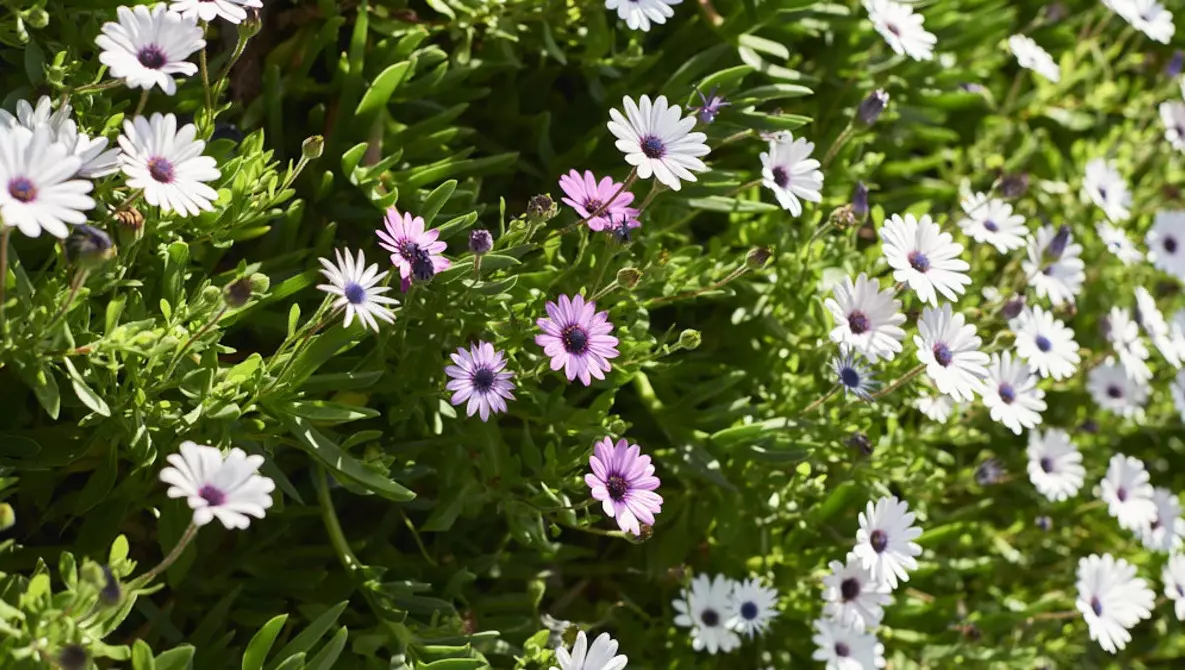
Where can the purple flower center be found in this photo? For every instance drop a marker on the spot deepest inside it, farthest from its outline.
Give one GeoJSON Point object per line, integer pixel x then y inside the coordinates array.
{"type": "Point", "coordinates": [892, 27]}
{"type": "Point", "coordinates": [879, 541]}
{"type": "Point", "coordinates": [749, 610]}
{"type": "Point", "coordinates": [617, 487]}
{"type": "Point", "coordinates": [1170, 244]}
{"type": "Point", "coordinates": [781, 177]}
{"type": "Point", "coordinates": [710, 617]}
{"type": "Point", "coordinates": [1156, 523]}
{"type": "Point", "coordinates": [858, 323]}
{"type": "Point", "coordinates": [1043, 343]}
{"type": "Point", "coordinates": [991, 226]}
{"type": "Point", "coordinates": [591, 205]}
{"type": "Point", "coordinates": [849, 378]}
{"type": "Point", "coordinates": [22, 189]}
{"type": "Point", "coordinates": [1096, 606]}
{"type": "Point", "coordinates": [482, 379]}
{"type": "Point", "coordinates": [849, 588]}
{"type": "Point", "coordinates": [1047, 270]}
{"type": "Point", "coordinates": [1046, 464]}
{"type": "Point", "coordinates": [1007, 393]}
{"type": "Point", "coordinates": [842, 650]}
{"type": "Point", "coordinates": [1121, 493]}
{"type": "Point", "coordinates": [653, 147]}
{"type": "Point", "coordinates": [355, 294]}
{"type": "Point", "coordinates": [1114, 392]}
{"type": "Point", "coordinates": [422, 267]}
{"type": "Point", "coordinates": [151, 57]}
{"type": "Point", "coordinates": [213, 496]}
{"type": "Point", "coordinates": [161, 169]}
{"type": "Point", "coordinates": [918, 261]}
{"type": "Point", "coordinates": [575, 339]}
{"type": "Point", "coordinates": [942, 354]}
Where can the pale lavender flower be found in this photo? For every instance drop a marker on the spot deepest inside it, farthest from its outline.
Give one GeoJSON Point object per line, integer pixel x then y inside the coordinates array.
{"type": "Point", "coordinates": [480, 380]}
{"type": "Point", "coordinates": [623, 480]}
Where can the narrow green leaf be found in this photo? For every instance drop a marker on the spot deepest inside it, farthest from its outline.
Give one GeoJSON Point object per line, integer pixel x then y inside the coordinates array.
{"type": "Point", "coordinates": [325, 658]}
{"type": "Point", "coordinates": [328, 453]}
{"type": "Point", "coordinates": [261, 643]}
{"type": "Point", "coordinates": [379, 93]}
{"type": "Point", "coordinates": [177, 658]}
{"type": "Point", "coordinates": [142, 656]}
{"type": "Point", "coordinates": [325, 411]}
{"type": "Point", "coordinates": [436, 200]}
{"type": "Point", "coordinates": [313, 632]}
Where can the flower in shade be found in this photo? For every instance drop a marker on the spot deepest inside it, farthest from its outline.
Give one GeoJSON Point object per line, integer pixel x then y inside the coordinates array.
{"type": "Point", "coordinates": [640, 14]}
{"type": "Point", "coordinates": [924, 257]}
{"type": "Point", "coordinates": [710, 105]}
{"type": "Point", "coordinates": [480, 380]}
{"type": "Point", "coordinates": [357, 289]}
{"type": "Point", "coordinates": [949, 348]}
{"type": "Point", "coordinates": [96, 162]}
{"type": "Point", "coordinates": [1173, 115]}
{"type": "Point", "coordinates": [1106, 188]}
{"type": "Point", "coordinates": [788, 169]}
{"type": "Point", "coordinates": [1174, 583]}
{"type": "Point", "coordinates": [623, 480]}
{"type": "Point", "coordinates": [1124, 334]}
{"type": "Point", "coordinates": [902, 29]}
{"type": "Point", "coordinates": [843, 648]}
{"type": "Point", "coordinates": [1046, 343]}
{"type": "Point", "coordinates": [658, 141]}
{"type": "Point", "coordinates": [38, 190]}
{"type": "Point", "coordinates": [937, 407]}
{"type": "Point", "coordinates": [852, 596]}
{"type": "Point", "coordinates": [1128, 493]}
{"type": "Point", "coordinates": [755, 606]}
{"type": "Point", "coordinates": [885, 542]}
{"type": "Point", "coordinates": [1031, 56]}
{"type": "Point", "coordinates": [1119, 244]}
{"type": "Point", "coordinates": [867, 319]}
{"type": "Point", "coordinates": [1165, 531]}
{"type": "Point", "coordinates": [1112, 599]}
{"type": "Point", "coordinates": [707, 608]}
{"type": "Point", "coordinates": [208, 10]}
{"type": "Point", "coordinates": [1058, 279]}
{"type": "Point", "coordinates": [576, 338]}
{"type": "Point", "coordinates": [992, 221]}
{"type": "Point", "coordinates": [414, 250]}
{"type": "Point", "coordinates": [150, 45]}
{"type": "Point", "coordinates": [1055, 464]}
{"type": "Point", "coordinates": [853, 376]}
{"type": "Point", "coordinates": [1164, 336]}
{"type": "Point", "coordinates": [167, 163]}
{"type": "Point", "coordinates": [586, 195]}
{"type": "Point", "coordinates": [227, 489]}
{"type": "Point", "coordinates": [1011, 394]}
{"type": "Point", "coordinates": [1113, 389]}
{"type": "Point", "coordinates": [602, 656]}
{"type": "Point", "coordinates": [1166, 243]}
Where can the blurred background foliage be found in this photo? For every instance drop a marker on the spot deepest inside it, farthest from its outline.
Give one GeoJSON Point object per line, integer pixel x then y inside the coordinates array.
{"type": "Point", "coordinates": [460, 111]}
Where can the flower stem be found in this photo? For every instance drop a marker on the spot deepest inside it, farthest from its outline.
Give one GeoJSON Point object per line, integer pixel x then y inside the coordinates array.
{"type": "Point", "coordinates": [710, 13]}
{"type": "Point", "coordinates": [843, 138]}
{"type": "Point", "coordinates": [599, 294]}
{"type": "Point", "coordinates": [75, 285]}
{"type": "Point", "coordinates": [629, 181]}
{"type": "Point", "coordinates": [332, 525]}
{"type": "Point", "coordinates": [745, 187]}
{"type": "Point", "coordinates": [204, 66]}
{"type": "Point", "coordinates": [185, 347]}
{"type": "Point", "coordinates": [822, 399]}
{"type": "Point", "coordinates": [656, 188]}
{"type": "Point", "coordinates": [240, 47]}
{"type": "Point", "coordinates": [700, 291]}
{"type": "Point", "coordinates": [147, 577]}
{"type": "Point", "coordinates": [143, 101]}
{"type": "Point", "coordinates": [4, 234]}
{"type": "Point", "coordinates": [900, 382]}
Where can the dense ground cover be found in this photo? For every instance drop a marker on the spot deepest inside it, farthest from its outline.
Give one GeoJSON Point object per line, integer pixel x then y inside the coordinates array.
{"type": "Point", "coordinates": [883, 368]}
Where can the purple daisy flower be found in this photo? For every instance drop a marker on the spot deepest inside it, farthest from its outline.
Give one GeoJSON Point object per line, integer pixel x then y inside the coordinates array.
{"type": "Point", "coordinates": [586, 195]}
{"type": "Point", "coordinates": [623, 480]}
{"type": "Point", "coordinates": [576, 337]}
{"type": "Point", "coordinates": [479, 380]}
{"type": "Point", "coordinates": [415, 251]}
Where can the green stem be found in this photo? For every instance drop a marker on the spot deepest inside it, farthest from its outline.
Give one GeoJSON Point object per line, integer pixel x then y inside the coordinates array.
{"type": "Point", "coordinates": [818, 403]}
{"type": "Point", "coordinates": [204, 67]}
{"type": "Point", "coordinates": [143, 101]}
{"type": "Point", "coordinates": [900, 382]}
{"type": "Point", "coordinates": [843, 138]}
{"type": "Point", "coordinates": [147, 577]}
{"type": "Point", "coordinates": [75, 285]}
{"type": "Point", "coordinates": [189, 342]}
{"type": "Point", "coordinates": [332, 525]}
{"type": "Point", "coordinates": [5, 232]}
{"type": "Point", "coordinates": [691, 294]}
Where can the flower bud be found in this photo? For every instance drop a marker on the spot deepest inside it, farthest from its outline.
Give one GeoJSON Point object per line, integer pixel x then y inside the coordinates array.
{"type": "Point", "coordinates": [1044, 523]}
{"type": "Point", "coordinates": [237, 293]}
{"type": "Point", "coordinates": [252, 25]}
{"type": "Point", "coordinates": [712, 103]}
{"type": "Point", "coordinates": [1055, 12]}
{"type": "Point", "coordinates": [111, 593]}
{"type": "Point", "coordinates": [1174, 66]}
{"type": "Point", "coordinates": [690, 339]}
{"type": "Point", "coordinates": [1089, 426]}
{"type": "Point", "coordinates": [870, 110]}
{"type": "Point", "coordinates": [312, 148]}
{"type": "Point", "coordinates": [480, 241]}
{"type": "Point", "coordinates": [989, 472]}
{"type": "Point", "coordinates": [88, 247]}
{"type": "Point", "coordinates": [617, 427]}
{"type": "Point", "coordinates": [860, 201]}
{"type": "Point", "coordinates": [542, 208]}
{"type": "Point", "coordinates": [646, 531]}
{"type": "Point", "coordinates": [37, 18]}
{"type": "Point", "coordinates": [758, 257]}
{"type": "Point", "coordinates": [7, 517]}
{"type": "Point", "coordinates": [1014, 185]}
{"type": "Point", "coordinates": [860, 442]}
{"type": "Point", "coordinates": [1057, 246]}
{"type": "Point", "coordinates": [72, 657]}
{"type": "Point", "coordinates": [1013, 308]}
{"type": "Point", "coordinates": [842, 217]}
{"type": "Point", "coordinates": [628, 277]}
{"type": "Point", "coordinates": [130, 224]}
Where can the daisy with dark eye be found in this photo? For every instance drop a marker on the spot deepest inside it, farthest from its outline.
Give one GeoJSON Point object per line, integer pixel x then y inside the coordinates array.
{"type": "Point", "coordinates": [902, 29]}
{"type": "Point", "coordinates": [1106, 188]}
{"type": "Point", "coordinates": [1166, 530]}
{"type": "Point", "coordinates": [1031, 56]}
{"type": "Point", "coordinates": [885, 542]}
{"type": "Point", "coordinates": [622, 478]}
{"type": "Point", "coordinates": [38, 190]}
{"type": "Point", "coordinates": [852, 596]}
{"type": "Point", "coordinates": [602, 655]}
{"type": "Point", "coordinates": [231, 11]}
{"type": "Point", "coordinates": [1113, 389]}
{"type": "Point", "coordinates": [148, 46]}
{"type": "Point", "coordinates": [583, 193]}
{"type": "Point", "coordinates": [478, 378]}
{"type": "Point", "coordinates": [640, 14]}
{"type": "Point", "coordinates": [417, 252]}
{"type": "Point", "coordinates": [1055, 464]}
{"type": "Point", "coordinates": [924, 257]}
{"type": "Point", "coordinates": [841, 647]}
{"type": "Point", "coordinates": [755, 605]}
{"type": "Point", "coordinates": [1127, 490]}
{"type": "Point", "coordinates": [853, 376]}
{"type": "Point", "coordinates": [97, 160]}
{"type": "Point", "coordinates": [1011, 395]}
{"type": "Point", "coordinates": [789, 171]}
{"type": "Point", "coordinates": [949, 348]}
{"type": "Point", "coordinates": [168, 165]}
{"type": "Point", "coordinates": [577, 338]}
{"type": "Point", "coordinates": [1045, 343]}
{"type": "Point", "coordinates": [1118, 243]}
{"type": "Point", "coordinates": [1173, 576]}
{"type": "Point", "coordinates": [866, 318]}
{"type": "Point", "coordinates": [1173, 115]}
{"type": "Point", "coordinates": [991, 221]}
{"type": "Point", "coordinates": [1166, 243]}
{"type": "Point", "coordinates": [1124, 335]}
{"type": "Point", "coordinates": [358, 290]}
{"type": "Point", "coordinates": [227, 489]}
{"type": "Point", "coordinates": [707, 608]}
{"type": "Point", "coordinates": [1112, 599]}
{"type": "Point", "coordinates": [1056, 276]}
{"type": "Point", "coordinates": [658, 140]}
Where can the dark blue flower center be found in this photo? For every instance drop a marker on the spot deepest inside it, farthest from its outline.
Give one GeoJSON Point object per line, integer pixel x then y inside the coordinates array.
{"type": "Point", "coordinates": [1096, 606]}
{"type": "Point", "coordinates": [849, 378]}
{"type": "Point", "coordinates": [422, 267]}
{"type": "Point", "coordinates": [213, 496]}
{"type": "Point", "coordinates": [1043, 343]}
{"type": "Point", "coordinates": [781, 177]}
{"type": "Point", "coordinates": [653, 147]}
{"type": "Point", "coordinates": [749, 610]}
{"type": "Point", "coordinates": [151, 57]}
{"type": "Point", "coordinates": [1046, 464]}
{"type": "Point", "coordinates": [842, 650]}
{"type": "Point", "coordinates": [710, 618]}
{"type": "Point", "coordinates": [942, 354]}
{"type": "Point", "coordinates": [1170, 245]}
{"type": "Point", "coordinates": [161, 170]}
{"type": "Point", "coordinates": [849, 588]}
{"type": "Point", "coordinates": [1114, 392]}
{"type": "Point", "coordinates": [617, 487]}
{"type": "Point", "coordinates": [858, 323]}
{"type": "Point", "coordinates": [1007, 393]}
{"type": "Point", "coordinates": [22, 190]}
{"type": "Point", "coordinates": [483, 379]}
{"type": "Point", "coordinates": [918, 261]}
{"type": "Point", "coordinates": [991, 226]}
{"type": "Point", "coordinates": [879, 541]}
{"type": "Point", "coordinates": [575, 339]}
{"type": "Point", "coordinates": [355, 294]}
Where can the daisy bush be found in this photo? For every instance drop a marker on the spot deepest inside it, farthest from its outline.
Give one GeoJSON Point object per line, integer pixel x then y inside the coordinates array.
{"type": "Point", "coordinates": [591, 334]}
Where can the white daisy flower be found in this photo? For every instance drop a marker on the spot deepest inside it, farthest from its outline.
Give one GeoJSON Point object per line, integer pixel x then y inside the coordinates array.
{"type": "Point", "coordinates": [1031, 56]}
{"type": "Point", "coordinates": [1128, 493]}
{"type": "Point", "coordinates": [1174, 583]}
{"type": "Point", "coordinates": [1060, 279]}
{"type": "Point", "coordinates": [39, 190]}
{"type": "Point", "coordinates": [852, 596]}
{"type": "Point", "coordinates": [216, 488]}
{"type": "Point", "coordinates": [1114, 390]}
{"type": "Point", "coordinates": [788, 169]}
{"type": "Point", "coordinates": [1118, 243]}
{"type": "Point", "coordinates": [1055, 464]}
{"type": "Point", "coordinates": [357, 289]}
{"type": "Point", "coordinates": [148, 46]}
{"type": "Point", "coordinates": [1150, 18]}
{"type": "Point", "coordinates": [755, 605]}
{"type": "Point", "coordinates": [924, 257]}
{"type": "Point", "coordinates": [1124, 334]}
{"type": "Point", "coordinates": [885, 542]}
{"type": "Point", "coordinates": [706, 608]}
{"type": "Point", "coordinates": [902, 29]}
{"type": "Point", "coordinates": [63, 130]}
{"type": "Point", "coordinates": [991, 221]}
{"type": "Point", "coordinates": [639, 14]}
{"type": "Point", "coordinates": [168, 164]}
{"type": "Point", "coordinates": [1112, 599]}
{"type": "Point", "coordinates": [937, 407]}
{"type": "Point", "coordinates": [1165, 531]}
{"type": "Point", "coordinates": [1166, 242]}
{"type": "Point", "coordinates": [1106, 188]}
{"type": "Point", "coordinates": [1173, 115]}
{"type": "Point", "coordinates": [844, 648]}
{"type": "Point", "coordinates": [602, 656]}
{"type": "Point", "coordinates": [1011, 394]}
{"type": "Point", "coordinates": [1045, 343]}
{"type": "Point", "coordinates": [867, 319]}
{"type": "Point", "coordinates": [1177, 389]}
{"type": "Point", "coordinates": [207, 10]}
{"type": "Point", "coordinates": [657, 140]}
{"type": "Point", "coordinates": [1165, 337]}
{"type": "Point", "coordinates": [949, 348]}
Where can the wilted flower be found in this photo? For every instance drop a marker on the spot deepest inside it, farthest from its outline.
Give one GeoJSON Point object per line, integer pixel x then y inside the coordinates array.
{"type": "Point", "coordinates": [238, 292]}
{"type": "Point", "coordinates": [73, 657]}
{"type": "Point", "coordinates": [1013, 186]}
{"type": "Point", "coordinates": [542, 208]}
{"type": "Point", "coordinates": [989, 472]}
{"type": "Point", "coordinates": [110, 593]}
{"type": "Point", "coordinates": [712, 104]}
{"type": "Point", "coordinates": [88, 246]}
{"type": "Point", "coordinates": [860, 201]}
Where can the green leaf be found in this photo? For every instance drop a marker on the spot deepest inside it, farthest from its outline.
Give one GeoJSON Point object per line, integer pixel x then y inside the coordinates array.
{"type": "Point", "coordinates": [719, 203]}
{"type": "Point", "coordinates": [436, 200]}
{"type": "Point", "coordinates": [261, 643]}
{"type": "Point", "coordinates": [380, 90]}
{"type": "Point", "coordinates": [325, 658]}
{"type": "Point", "coordinates": [327, 412]}
{"type": "Point", "coordinates": [101, 481]}
{"type": "Point", "coordinates": [455, 664]}
{"type": "Point", "coordinates": [313, 632]}
{"type": "Point", "coordinates": [84, 392]}
{"type": "Point", "coordinates": [328, 453]}
{"type": "Point", "coordinates": [177, 658]}
{"type": "Point", "coordinates": [142, 656]}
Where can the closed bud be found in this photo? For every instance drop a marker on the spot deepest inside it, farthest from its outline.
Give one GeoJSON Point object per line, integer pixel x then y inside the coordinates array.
{"type": "Point", "coordinates": [1055, 12]}
{"type": "Point", "coordinates": [72, 657]}
{"type": "Point", "coordinates": [1044, 523]}
{"type": "Point", "coordinates": [542, 208]}
{"type": "Point", "coordinates": [617, 427]}
{"type": "Point", "coordinates": [1089, 426]}
{"type": "Point", "coordinates": [690, 339]}
{"type": "Point", "coordinates": [131, 223]}
{"type": "Point", "coordinates": [870, 110]}
{"type": "Point", "coordinates": [860, 442]}
{"type": "Point", "coordinates": [860, 201]}
{"type": "Point", "coordinates": [1057, 246]}
{"type": "Point", "coordinates": [480, 241]}
{"type": "Point", "coordinates": [252, 25]}
{"type": "Point", "coordinates": [628, 277]}
{"type": "Point", "coordinates": [843, 217]}
{"type": "Point", "coordinates": [7, 517]}
{"type": "Point", "coordinates": [1013, 308]}
{"type": "Point", "coordinates": [312, 148]}
{"type": "Point", "coordinates": [989, 472]}
{"type": "Point", "coordinates": [111, 593]}
{"type": "Point", "coordinates": [758, 258]}
{"type": "Point", "coordinates": [1014, 185]}
{"type": "Point", "coordinates": [237, 293]}
{"type": "Point", "coordinates": [37, 18]}
{"type": "Point", "coordinates": [88, 247]}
